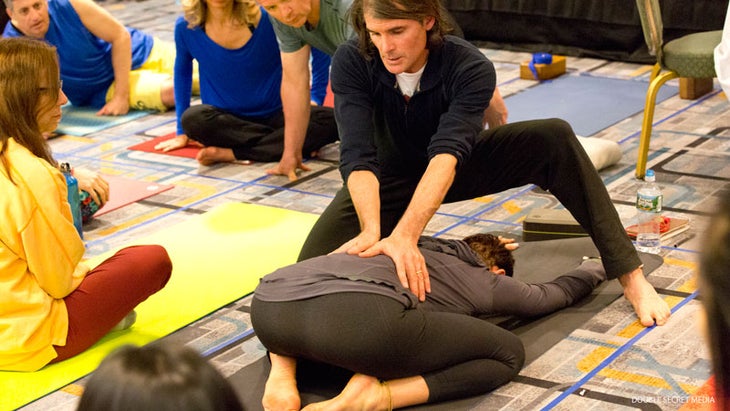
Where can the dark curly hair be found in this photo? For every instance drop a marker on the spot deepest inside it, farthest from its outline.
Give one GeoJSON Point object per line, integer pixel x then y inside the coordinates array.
{"type": "Point", "coordinates": [492, 251]}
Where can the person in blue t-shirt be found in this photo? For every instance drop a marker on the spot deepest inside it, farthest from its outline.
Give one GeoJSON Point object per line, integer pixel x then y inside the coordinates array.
{"type": "Point", "coordinates": [96, 53]}
{"type": "Point", "coordinates": [241, 115]}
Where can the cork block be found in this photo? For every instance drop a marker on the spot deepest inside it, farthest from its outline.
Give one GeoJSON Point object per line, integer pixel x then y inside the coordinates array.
{"type": "Point", "coordinates": [544, 71]}
{"type": "Point", "coordinates": [694, 88]}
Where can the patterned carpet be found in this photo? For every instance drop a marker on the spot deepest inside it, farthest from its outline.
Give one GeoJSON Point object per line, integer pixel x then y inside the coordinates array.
{"type": "Point", "coordinates": [609, 363]}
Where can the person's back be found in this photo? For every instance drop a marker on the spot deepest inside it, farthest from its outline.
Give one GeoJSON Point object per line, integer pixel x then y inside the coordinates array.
{"type": "Point", "coordinates": [462, 280]}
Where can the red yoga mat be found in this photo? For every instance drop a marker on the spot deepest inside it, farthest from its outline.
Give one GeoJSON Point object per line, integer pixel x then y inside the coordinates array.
{"type": "Point", "coordinates": [124, 191]}
{"type": "Point", "coordinates": [189, 151]}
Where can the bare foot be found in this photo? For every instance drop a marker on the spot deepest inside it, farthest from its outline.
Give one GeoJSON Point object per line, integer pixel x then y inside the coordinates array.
{"type": "Point", "coordinates": [208, 156]}
{"type": "Point", "coordinates": [362, 393]}
{"type": "Point", "coordinates": [649, 307]}
{"type": "Point", "coordinates": [281, 394]}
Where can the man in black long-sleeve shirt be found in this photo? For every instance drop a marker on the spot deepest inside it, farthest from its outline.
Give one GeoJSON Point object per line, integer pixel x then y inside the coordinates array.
{"type": "Point", "coordinates": [408, 103]}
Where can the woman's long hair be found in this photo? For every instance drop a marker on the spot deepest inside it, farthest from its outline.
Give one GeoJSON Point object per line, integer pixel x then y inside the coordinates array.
{"type": "Point", "coordinates": [28, 71]}
{"type": "Point", "coordinates": [714, 284]}
{"type": "Point", "coordinates": [245, 12]}
{"type": "Point", "coordinates": [417, 10]}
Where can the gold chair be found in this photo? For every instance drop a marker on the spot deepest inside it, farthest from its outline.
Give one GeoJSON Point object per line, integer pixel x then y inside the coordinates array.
{"type": "Point", "coordinates": [690, 56]}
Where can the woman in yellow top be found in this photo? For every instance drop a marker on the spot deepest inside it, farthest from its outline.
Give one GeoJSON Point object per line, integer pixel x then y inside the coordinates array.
{"type": "Point", "coordinates": [52, 306]}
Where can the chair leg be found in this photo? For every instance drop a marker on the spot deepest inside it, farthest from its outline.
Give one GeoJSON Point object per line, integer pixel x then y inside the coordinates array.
{"type": "Point", "coordinates": [655, 71]}
{"type": "Point", "coordinates": [646, 125]}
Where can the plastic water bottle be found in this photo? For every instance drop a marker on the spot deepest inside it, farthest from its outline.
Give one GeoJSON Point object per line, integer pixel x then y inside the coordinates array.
{"type": "Point", "coordinates": [74, 200]}
{"type": "Point", "coordinates": [648, 210]}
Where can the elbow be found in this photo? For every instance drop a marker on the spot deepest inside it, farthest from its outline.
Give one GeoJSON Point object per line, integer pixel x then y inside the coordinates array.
{"type": "Point", "coordinates": [122, 38]}
{"type": "Point", "coordinates": [59, 291]}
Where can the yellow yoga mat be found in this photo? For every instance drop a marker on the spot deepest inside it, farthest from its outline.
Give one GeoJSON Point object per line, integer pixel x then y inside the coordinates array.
{"type": "Point", "coordinates": [218, 257]}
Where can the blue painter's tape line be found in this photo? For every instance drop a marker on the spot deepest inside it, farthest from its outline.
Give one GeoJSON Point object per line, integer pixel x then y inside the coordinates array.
{"type": "Point", "coordinates": [612, 357]}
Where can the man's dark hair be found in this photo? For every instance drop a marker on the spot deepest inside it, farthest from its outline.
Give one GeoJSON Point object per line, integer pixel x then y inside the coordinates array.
{"type": "Point", "coordinates": [491, 250]}
{"type": "Point", "coordinates": [417, 10]}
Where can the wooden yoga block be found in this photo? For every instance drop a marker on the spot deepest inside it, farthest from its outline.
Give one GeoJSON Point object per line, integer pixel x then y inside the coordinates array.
{"type": "Point", "coordinates": [694, 88]}
{"type": "Point", "coordinates": [544, 71]}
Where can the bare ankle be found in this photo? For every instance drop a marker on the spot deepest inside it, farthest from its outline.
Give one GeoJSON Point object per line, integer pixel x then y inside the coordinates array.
{"type": "Point", "coordinates": [650, 308]}
{"type": "Point", "coordinates": [210, 155]}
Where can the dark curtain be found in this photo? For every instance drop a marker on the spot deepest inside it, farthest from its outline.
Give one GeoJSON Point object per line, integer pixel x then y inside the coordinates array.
{"type": "Point", "coordinates": [608, 29]}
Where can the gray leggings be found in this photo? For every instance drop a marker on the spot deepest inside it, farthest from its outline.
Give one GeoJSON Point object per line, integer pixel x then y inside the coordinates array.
{"type": "Point", "coordinates": [458, 355]}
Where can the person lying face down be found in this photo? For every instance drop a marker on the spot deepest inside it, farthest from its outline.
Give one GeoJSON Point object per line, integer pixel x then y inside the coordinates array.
{"type": "Point", "coordinates": [354, 313]}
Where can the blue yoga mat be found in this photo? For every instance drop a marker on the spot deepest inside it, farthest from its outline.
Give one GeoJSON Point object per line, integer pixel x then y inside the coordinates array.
{"type": "Point", "coordinates": [80, 121]}
{"type": "Point", "coordinates": [588, 103]}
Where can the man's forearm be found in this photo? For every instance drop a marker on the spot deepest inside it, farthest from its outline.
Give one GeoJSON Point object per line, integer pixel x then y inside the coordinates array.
{"type": "Point", "coordinates": [296, 120]}
{"type": "Point", "coordinates": [428, 197]}
{"type": "Point", "coordinates": [122, 63]}
{"type": "Point", "coordinates": [365, 193]}
{"type": "Point", "coordinates": [295, 99]}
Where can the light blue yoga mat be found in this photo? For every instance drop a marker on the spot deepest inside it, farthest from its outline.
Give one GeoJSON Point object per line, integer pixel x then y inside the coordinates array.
{"type": "Point", "coordinates": [80, 121]}
{"type": "Point", "coordinates": [588, 103]}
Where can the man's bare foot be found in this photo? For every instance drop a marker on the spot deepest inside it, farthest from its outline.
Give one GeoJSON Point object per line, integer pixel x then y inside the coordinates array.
{"type": "Point", "coordinates": [208, 156]}
{"type": "Point", "coordinates": [362, 393]}
{"type": "Point", "coordinates": [281, 394]}
{"type": "Point", "coordinates": [649, 307]}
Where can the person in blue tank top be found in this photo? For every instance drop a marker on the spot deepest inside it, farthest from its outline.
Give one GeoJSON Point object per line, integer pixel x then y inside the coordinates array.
{"type": "Point", "coordinates": [96, 53]}
{"type": "Point", "coordinates": [241, 116]}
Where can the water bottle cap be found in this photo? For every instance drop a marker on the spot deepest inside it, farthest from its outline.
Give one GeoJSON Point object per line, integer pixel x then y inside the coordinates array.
{"type": "Point", "coordinates": [649, 176]}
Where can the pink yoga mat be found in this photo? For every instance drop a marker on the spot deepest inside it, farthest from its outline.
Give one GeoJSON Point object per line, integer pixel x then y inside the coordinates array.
{"type": "Point", "coordinates": [124, 191]}
{"type": "Point", "coordinates": [189, 151]}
